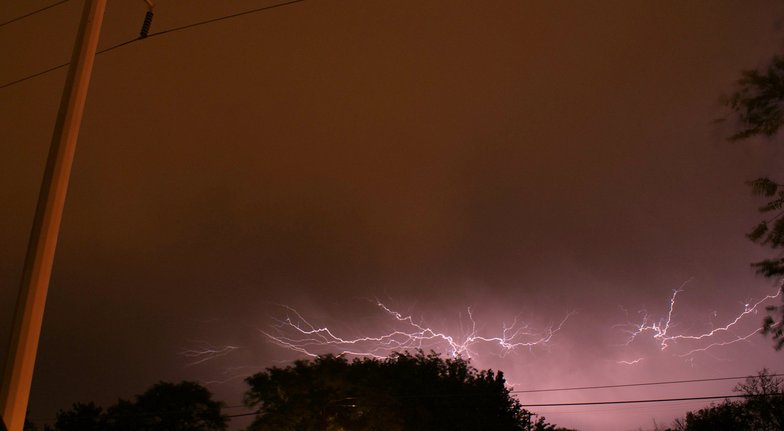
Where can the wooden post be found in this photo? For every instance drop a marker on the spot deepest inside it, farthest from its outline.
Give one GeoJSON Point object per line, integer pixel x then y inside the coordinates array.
{"type": "Point", "coordinates": [29, 313]}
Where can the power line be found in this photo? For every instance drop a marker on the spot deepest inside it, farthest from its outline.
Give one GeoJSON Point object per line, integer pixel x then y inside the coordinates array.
{"type": "Point", "coordinates": [609, 402]}
{"type": "Point", "coordinates": [51, 69]}
{"type": "Point", "coordinates": [659, 400]}
{"type": "Point", "coordinates": [212, 20]}
{"type": "Point", "coordinates": [626, 385]}
{"type": "Point", "coordinates": [162, 32]}
{"type": "Point", "coordinates": [60, 66]}
{"type": "Point", "coordinates": [668, 382]}
{"type": "Point", "coordinates": [33, 13]}
{"type": "Point", "coordinates": [671, 382]}
{"type": "Point", "coordinates": [599, 403]}
{"type": "Point", "coordinates": [242, 414]}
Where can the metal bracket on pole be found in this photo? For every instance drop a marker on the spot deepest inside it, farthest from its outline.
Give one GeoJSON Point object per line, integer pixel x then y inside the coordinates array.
{"type": "Point", "coordinates": [28, 316]}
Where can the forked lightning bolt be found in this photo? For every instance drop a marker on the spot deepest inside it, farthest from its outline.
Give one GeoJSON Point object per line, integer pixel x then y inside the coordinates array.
{"type": "Point", "coordinates": [296, 333]}
{"type": "Point", "coordinates": [661, 331]}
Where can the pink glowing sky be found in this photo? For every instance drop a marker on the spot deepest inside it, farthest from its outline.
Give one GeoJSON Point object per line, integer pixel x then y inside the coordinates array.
{"type": "Point", "coordinates": [529, 161]}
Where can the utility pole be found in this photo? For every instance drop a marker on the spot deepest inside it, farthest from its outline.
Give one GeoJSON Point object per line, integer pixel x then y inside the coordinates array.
{"type": "Point", "coordinates": [29, 313]}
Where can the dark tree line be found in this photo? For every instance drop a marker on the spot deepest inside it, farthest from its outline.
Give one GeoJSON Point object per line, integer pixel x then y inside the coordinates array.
{"type": "Point", "coordinates": [184, 406]}
{"type": "Point", "coordinates": [404, 392]}
{"type": "Point", "coordinates": [762, 409]}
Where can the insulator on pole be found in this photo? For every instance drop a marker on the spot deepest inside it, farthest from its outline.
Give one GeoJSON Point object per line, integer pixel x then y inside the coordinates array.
{"type": "Point", "coordinates": [146, 24]}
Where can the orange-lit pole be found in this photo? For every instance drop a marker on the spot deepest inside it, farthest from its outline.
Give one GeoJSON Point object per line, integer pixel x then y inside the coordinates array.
{"type": "Point", "coordinates": [29, 313]}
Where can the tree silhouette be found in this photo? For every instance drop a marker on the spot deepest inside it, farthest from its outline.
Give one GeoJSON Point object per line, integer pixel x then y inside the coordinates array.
{"type": "Point", "coordinates": [757, 101]}
{"type": "Point", "coordinates": [764, 401]}
{"type": "Point", "coordinates": [761, 410]}
{"type": "Point", "coordinates": [758, 104]}
{"type": "Point", "coordinates": [184, 406]}
{"type": "Point", "coordinates": [402, 392]}
{"type": "Point", "coordinates": [81, 417]}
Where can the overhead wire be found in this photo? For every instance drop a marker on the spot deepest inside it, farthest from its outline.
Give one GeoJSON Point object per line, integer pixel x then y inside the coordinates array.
{"type": "Point", "coordinates": [2, 24]}
{"type": "Point", "coordinates": [595, 403]}
{"type": "Point", "coordinates": [626, 385]}
{"type": "Point", "coordinates": [656, 400]}
{"type": "Point", "coordinates": [613, 402]}
{"type": "Point", "coordinates": [158, 33]}
{"type": "Point", "coordinates": [242, 414]}
{"type": "Point", "coordinates": [43, 72]}
{"type": "Point", "coordinates": [235, 15]}
{"type": "Point", "coordinates": [608, 402]}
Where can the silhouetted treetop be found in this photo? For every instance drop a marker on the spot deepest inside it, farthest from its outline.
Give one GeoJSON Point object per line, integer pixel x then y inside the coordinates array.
{"type": "Point", "coordinates": [402, 392]}
{"type": "Point", "coordinates": [761, 410]}
{"type": "Point", "coordinates": [184, 406]}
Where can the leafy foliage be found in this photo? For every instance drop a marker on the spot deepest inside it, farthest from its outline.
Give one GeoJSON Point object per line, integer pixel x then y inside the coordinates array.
{"type": "Point", "coordinates": [758, 103]}
{"type": "Point", "coordinates": [770, 232]}
{"type": "Point", "coordinates": [85, 417]}
{"type": "Point", "coordinates": [184, 406]}
{"type": "Point", "coordinates": [764, 401]}
{"type": "Point", "coordinates": [764, 233]}
{"type": "Point", "coordinates": [403, 392]}
{"type": "Point", "coordinates": [761, 410]}
{"type": "Point", "coordinates": [727, 416]}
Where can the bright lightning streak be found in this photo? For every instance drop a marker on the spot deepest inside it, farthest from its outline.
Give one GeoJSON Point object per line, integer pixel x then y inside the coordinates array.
{"type": "Point", "coordinates": [206, 353]}
{"type": "Point", "coordinates": [295, 332]}
{"type": "Point", "coordinates": [661, 331]}
{"type": "Point", "coordinates": [720, 344]}
{"type": "Point", "coordinates": [632, 362]}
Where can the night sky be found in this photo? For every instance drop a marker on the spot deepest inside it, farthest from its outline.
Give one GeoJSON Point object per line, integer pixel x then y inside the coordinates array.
{"type": "Point", "coordinates": [527, 160]}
